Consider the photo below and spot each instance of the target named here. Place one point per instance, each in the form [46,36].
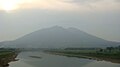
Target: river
[49,60]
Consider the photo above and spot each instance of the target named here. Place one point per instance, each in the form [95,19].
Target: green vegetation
[109,54]
[7,55]
[6,52]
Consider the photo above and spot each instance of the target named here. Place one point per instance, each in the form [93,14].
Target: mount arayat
[58,37]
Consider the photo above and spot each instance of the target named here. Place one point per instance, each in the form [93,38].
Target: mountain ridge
[59,37]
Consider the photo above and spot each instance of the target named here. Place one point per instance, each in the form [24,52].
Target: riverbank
[110,57]
[7,56]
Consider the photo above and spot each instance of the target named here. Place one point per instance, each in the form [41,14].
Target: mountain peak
[57,27]
[58,36]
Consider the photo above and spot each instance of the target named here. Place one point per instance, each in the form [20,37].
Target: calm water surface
[49,60]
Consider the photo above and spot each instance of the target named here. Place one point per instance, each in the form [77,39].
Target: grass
[113,56]
[5,54]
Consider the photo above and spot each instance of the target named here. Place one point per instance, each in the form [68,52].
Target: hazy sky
[97,17]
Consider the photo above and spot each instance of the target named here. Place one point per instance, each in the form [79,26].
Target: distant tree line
[81,48]
[110,49]
[7,49]
[107,49]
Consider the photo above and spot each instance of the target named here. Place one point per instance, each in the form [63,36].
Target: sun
[9,5]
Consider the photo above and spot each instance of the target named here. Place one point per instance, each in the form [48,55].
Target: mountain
[58,37]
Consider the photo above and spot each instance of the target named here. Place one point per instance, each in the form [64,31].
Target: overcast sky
[97,17]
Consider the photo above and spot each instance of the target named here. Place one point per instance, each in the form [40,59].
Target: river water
[49,60]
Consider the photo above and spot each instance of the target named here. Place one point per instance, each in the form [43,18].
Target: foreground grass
[6,56]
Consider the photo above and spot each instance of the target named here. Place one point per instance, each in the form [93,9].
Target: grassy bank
[6,56]
[96,54]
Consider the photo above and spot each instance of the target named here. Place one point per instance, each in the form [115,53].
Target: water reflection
[49,60]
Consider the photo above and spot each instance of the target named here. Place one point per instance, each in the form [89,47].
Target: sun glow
[9,5]
[60,5]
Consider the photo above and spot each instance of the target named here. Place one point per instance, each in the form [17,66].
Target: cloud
[49,5]
[68,5]
[74,5]
[97,5]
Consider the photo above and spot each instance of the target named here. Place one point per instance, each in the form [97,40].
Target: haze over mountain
[57,37]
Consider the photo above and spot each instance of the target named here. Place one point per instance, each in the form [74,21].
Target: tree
[119,48]
[101,50]
[110,48]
